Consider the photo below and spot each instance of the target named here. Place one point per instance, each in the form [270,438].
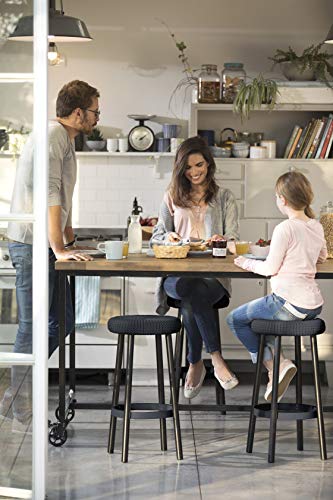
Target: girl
[196,207]
[297,245]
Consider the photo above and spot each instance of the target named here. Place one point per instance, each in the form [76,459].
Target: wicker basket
[170,251]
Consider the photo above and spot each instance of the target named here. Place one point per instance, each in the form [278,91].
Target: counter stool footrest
[287,411]
[144,411]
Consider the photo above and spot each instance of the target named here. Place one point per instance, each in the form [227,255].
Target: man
[77,110]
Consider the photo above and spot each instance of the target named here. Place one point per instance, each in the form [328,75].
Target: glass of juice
[242,247]
[125,249]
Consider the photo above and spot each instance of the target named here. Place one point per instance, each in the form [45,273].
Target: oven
[8,307]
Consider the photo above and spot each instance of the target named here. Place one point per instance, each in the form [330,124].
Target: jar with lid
[326,220]
[209,84]
[219,248]
[232,76]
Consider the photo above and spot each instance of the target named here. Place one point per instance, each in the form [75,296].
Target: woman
[196,207]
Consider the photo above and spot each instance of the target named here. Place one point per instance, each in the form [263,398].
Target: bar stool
[286,411]
[223,302]
[131,326]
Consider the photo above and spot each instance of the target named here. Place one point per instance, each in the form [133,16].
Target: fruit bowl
[259,251]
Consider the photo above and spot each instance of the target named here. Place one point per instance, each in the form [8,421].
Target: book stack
[312,141]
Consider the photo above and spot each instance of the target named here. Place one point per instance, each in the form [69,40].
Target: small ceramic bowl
[96,145]
[240,153]
[258,251]
[220,152]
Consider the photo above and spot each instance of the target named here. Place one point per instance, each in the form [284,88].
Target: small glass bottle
[135,235]
[326,220]
[232,76]
[219,249]
[209,84]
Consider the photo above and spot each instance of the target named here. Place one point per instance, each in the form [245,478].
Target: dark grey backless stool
[223,302]
[131,326]
[286,411]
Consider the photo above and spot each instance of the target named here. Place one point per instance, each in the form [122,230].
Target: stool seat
[144,325]
[298,328]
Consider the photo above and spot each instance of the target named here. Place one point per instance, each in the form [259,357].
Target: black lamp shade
[329,38]
[61,29]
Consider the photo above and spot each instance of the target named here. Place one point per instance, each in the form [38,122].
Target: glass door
[23,351]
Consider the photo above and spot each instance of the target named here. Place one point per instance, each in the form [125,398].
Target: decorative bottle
[135,235]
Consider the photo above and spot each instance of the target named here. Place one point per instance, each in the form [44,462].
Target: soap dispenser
[135,230]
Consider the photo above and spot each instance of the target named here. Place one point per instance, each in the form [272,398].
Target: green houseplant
[95,140]
[312,64]
[254,94]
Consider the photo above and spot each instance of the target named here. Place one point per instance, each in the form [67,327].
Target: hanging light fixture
[329,38]
[62,28]
[54,57]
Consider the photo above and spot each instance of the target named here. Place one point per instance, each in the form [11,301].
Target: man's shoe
[189,391]
[287,372]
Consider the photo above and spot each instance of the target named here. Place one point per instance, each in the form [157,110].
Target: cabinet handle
[260,283]
[223,172]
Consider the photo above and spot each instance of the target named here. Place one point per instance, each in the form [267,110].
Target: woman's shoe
[227,384]
[287,372]
[191,392]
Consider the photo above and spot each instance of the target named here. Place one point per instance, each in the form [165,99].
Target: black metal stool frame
[144,410]
[300,413]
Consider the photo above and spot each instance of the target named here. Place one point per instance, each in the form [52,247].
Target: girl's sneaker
[287,372]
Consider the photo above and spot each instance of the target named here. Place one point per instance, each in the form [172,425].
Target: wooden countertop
[143,265]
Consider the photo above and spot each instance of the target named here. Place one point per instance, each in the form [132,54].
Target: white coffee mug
[258,152]
[123,144]
[271,148]
[112,145]
[113,249]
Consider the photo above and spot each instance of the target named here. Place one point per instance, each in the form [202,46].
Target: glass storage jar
[209,84]
[232,75]
[326,220]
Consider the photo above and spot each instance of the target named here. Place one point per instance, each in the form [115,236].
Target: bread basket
[171,251]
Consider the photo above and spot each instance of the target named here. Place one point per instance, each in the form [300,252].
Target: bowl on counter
[240,149]
[218,152]
[96,145]
[259,251]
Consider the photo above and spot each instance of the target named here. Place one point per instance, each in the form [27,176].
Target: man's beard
[85,127]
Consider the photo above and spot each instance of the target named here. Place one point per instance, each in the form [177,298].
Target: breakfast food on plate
[198,246]
[263,243]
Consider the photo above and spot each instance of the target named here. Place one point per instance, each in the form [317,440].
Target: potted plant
[312,64]
[254,94]
[95,140]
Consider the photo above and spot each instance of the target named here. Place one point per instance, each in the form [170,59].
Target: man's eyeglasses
[96,112]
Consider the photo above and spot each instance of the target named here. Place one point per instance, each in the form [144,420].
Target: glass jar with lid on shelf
[232,75]
[209,84]
[326,220]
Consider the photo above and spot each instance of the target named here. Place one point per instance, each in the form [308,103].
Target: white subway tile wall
[105,190]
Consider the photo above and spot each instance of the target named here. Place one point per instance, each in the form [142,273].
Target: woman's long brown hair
[180,186]
[297,190]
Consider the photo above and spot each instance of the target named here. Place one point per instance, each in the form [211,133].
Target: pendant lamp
[62,28]
[329,38]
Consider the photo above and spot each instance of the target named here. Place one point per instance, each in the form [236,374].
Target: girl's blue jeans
[269,307]
[198,296]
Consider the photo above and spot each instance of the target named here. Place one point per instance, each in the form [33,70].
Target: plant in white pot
[312,64]
[95,140]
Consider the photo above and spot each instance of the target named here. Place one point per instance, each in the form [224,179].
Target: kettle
[229,142]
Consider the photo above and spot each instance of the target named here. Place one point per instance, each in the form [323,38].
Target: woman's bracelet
[70,244]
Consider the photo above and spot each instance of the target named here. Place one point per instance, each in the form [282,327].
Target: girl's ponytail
[309,212]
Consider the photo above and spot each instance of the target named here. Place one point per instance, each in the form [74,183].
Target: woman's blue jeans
[198,296]
[269,307]
[20,391]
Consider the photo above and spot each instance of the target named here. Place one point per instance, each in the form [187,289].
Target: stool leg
[115,396]
[320,416]
[219,391]
[255,396]
[175,413]
[298,362]
[128,396]
[274,403]
[160,384]
[178,358]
